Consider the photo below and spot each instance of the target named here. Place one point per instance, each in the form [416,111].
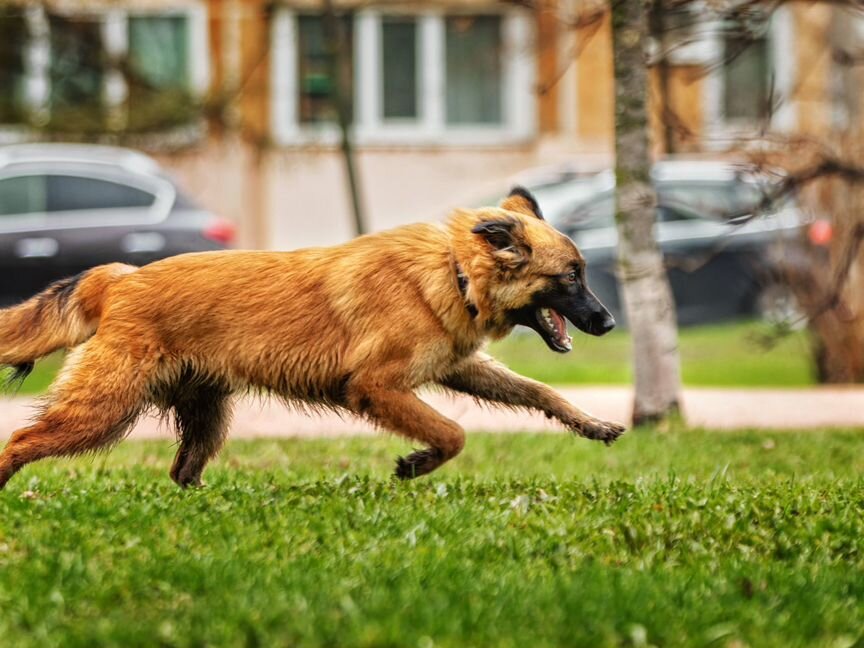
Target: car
[65,208]
[722,262]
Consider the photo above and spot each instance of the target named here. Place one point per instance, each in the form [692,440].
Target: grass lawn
[681,539]
[716,355]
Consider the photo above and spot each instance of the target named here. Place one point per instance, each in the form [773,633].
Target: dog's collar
[462,282]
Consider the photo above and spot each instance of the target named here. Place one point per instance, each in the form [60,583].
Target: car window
[711,199]
[594,214]
[58,193]
[667,214]
[71,193]
[22,195]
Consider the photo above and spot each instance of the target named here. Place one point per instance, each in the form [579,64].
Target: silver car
[67,207]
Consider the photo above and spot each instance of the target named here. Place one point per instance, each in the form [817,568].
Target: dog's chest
[438,361]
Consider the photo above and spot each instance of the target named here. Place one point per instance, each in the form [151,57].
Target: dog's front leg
[483,377]
[402,412]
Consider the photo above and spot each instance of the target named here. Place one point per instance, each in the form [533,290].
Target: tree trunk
[340,73]
[644,285]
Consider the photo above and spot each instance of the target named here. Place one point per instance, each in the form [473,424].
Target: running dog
[357,327]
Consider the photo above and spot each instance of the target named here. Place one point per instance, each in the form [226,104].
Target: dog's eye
[573,277]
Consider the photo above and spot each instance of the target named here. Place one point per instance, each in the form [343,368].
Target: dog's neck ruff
[462,281]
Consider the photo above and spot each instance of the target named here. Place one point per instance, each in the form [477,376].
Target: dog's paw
[598,430]
[418,463]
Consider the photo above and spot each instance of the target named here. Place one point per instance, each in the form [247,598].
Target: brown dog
[355,327]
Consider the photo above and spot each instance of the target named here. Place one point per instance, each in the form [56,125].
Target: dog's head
[523,271]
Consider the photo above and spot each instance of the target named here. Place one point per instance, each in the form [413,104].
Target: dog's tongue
[560,324]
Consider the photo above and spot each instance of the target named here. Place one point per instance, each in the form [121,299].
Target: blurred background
[136,130]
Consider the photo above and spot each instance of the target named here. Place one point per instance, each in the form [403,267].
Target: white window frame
[114,29]
[719,129]
[519,101]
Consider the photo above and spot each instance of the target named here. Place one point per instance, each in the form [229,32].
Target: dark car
[68,207]
[718,268]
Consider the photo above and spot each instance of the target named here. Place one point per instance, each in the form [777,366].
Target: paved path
[725,409]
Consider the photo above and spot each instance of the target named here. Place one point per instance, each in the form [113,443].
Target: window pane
[71,193]
[22,195]
[158,51]
[316,82]
[157,74]
[76,73]
[474,70]
[717,199]
[399,65]
[13,35]
[746,79]
[595,214]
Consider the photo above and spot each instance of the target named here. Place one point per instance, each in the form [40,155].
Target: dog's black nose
[605,324]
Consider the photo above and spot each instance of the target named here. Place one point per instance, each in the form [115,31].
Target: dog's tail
[64,315]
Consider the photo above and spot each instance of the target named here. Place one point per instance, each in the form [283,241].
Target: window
[158,51]
[474,70]
[315,69]
[399,67]
[157,74]
[13,31]
[22,195]
[713,199]
[746,73]
[598,213]
[76,72]
[73,193]
[419,78]
[85,71]
[34,194]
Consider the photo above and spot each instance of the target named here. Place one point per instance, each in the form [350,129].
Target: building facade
[449,100]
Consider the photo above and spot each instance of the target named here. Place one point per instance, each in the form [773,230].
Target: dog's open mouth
[553,328]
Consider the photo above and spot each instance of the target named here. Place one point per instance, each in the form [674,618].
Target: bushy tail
[62,316]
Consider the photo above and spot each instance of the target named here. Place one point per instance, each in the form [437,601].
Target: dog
[356,327]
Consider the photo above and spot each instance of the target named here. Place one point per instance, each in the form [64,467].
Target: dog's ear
[507,240]
[523,201]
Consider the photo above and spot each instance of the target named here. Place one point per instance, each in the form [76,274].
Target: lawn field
[679,539]
[723,355]
[718,355]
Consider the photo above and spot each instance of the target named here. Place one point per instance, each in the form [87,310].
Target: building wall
[285,196]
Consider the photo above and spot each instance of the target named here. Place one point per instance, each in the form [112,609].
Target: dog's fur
[356,327]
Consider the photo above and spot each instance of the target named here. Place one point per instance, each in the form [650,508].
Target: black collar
[462,281]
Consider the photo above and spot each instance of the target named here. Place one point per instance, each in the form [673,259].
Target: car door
[711,270]
[28,256]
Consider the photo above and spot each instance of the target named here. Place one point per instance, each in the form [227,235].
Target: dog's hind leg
[202,414]
[97,398]
[404,413]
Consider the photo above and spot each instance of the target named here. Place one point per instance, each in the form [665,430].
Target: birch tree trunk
[644,285]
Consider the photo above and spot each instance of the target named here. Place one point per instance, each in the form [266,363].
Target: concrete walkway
[722,409]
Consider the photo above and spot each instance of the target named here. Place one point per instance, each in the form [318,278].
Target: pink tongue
[560,324]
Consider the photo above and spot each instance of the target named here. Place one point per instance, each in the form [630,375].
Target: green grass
[679,539]
[716,355]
